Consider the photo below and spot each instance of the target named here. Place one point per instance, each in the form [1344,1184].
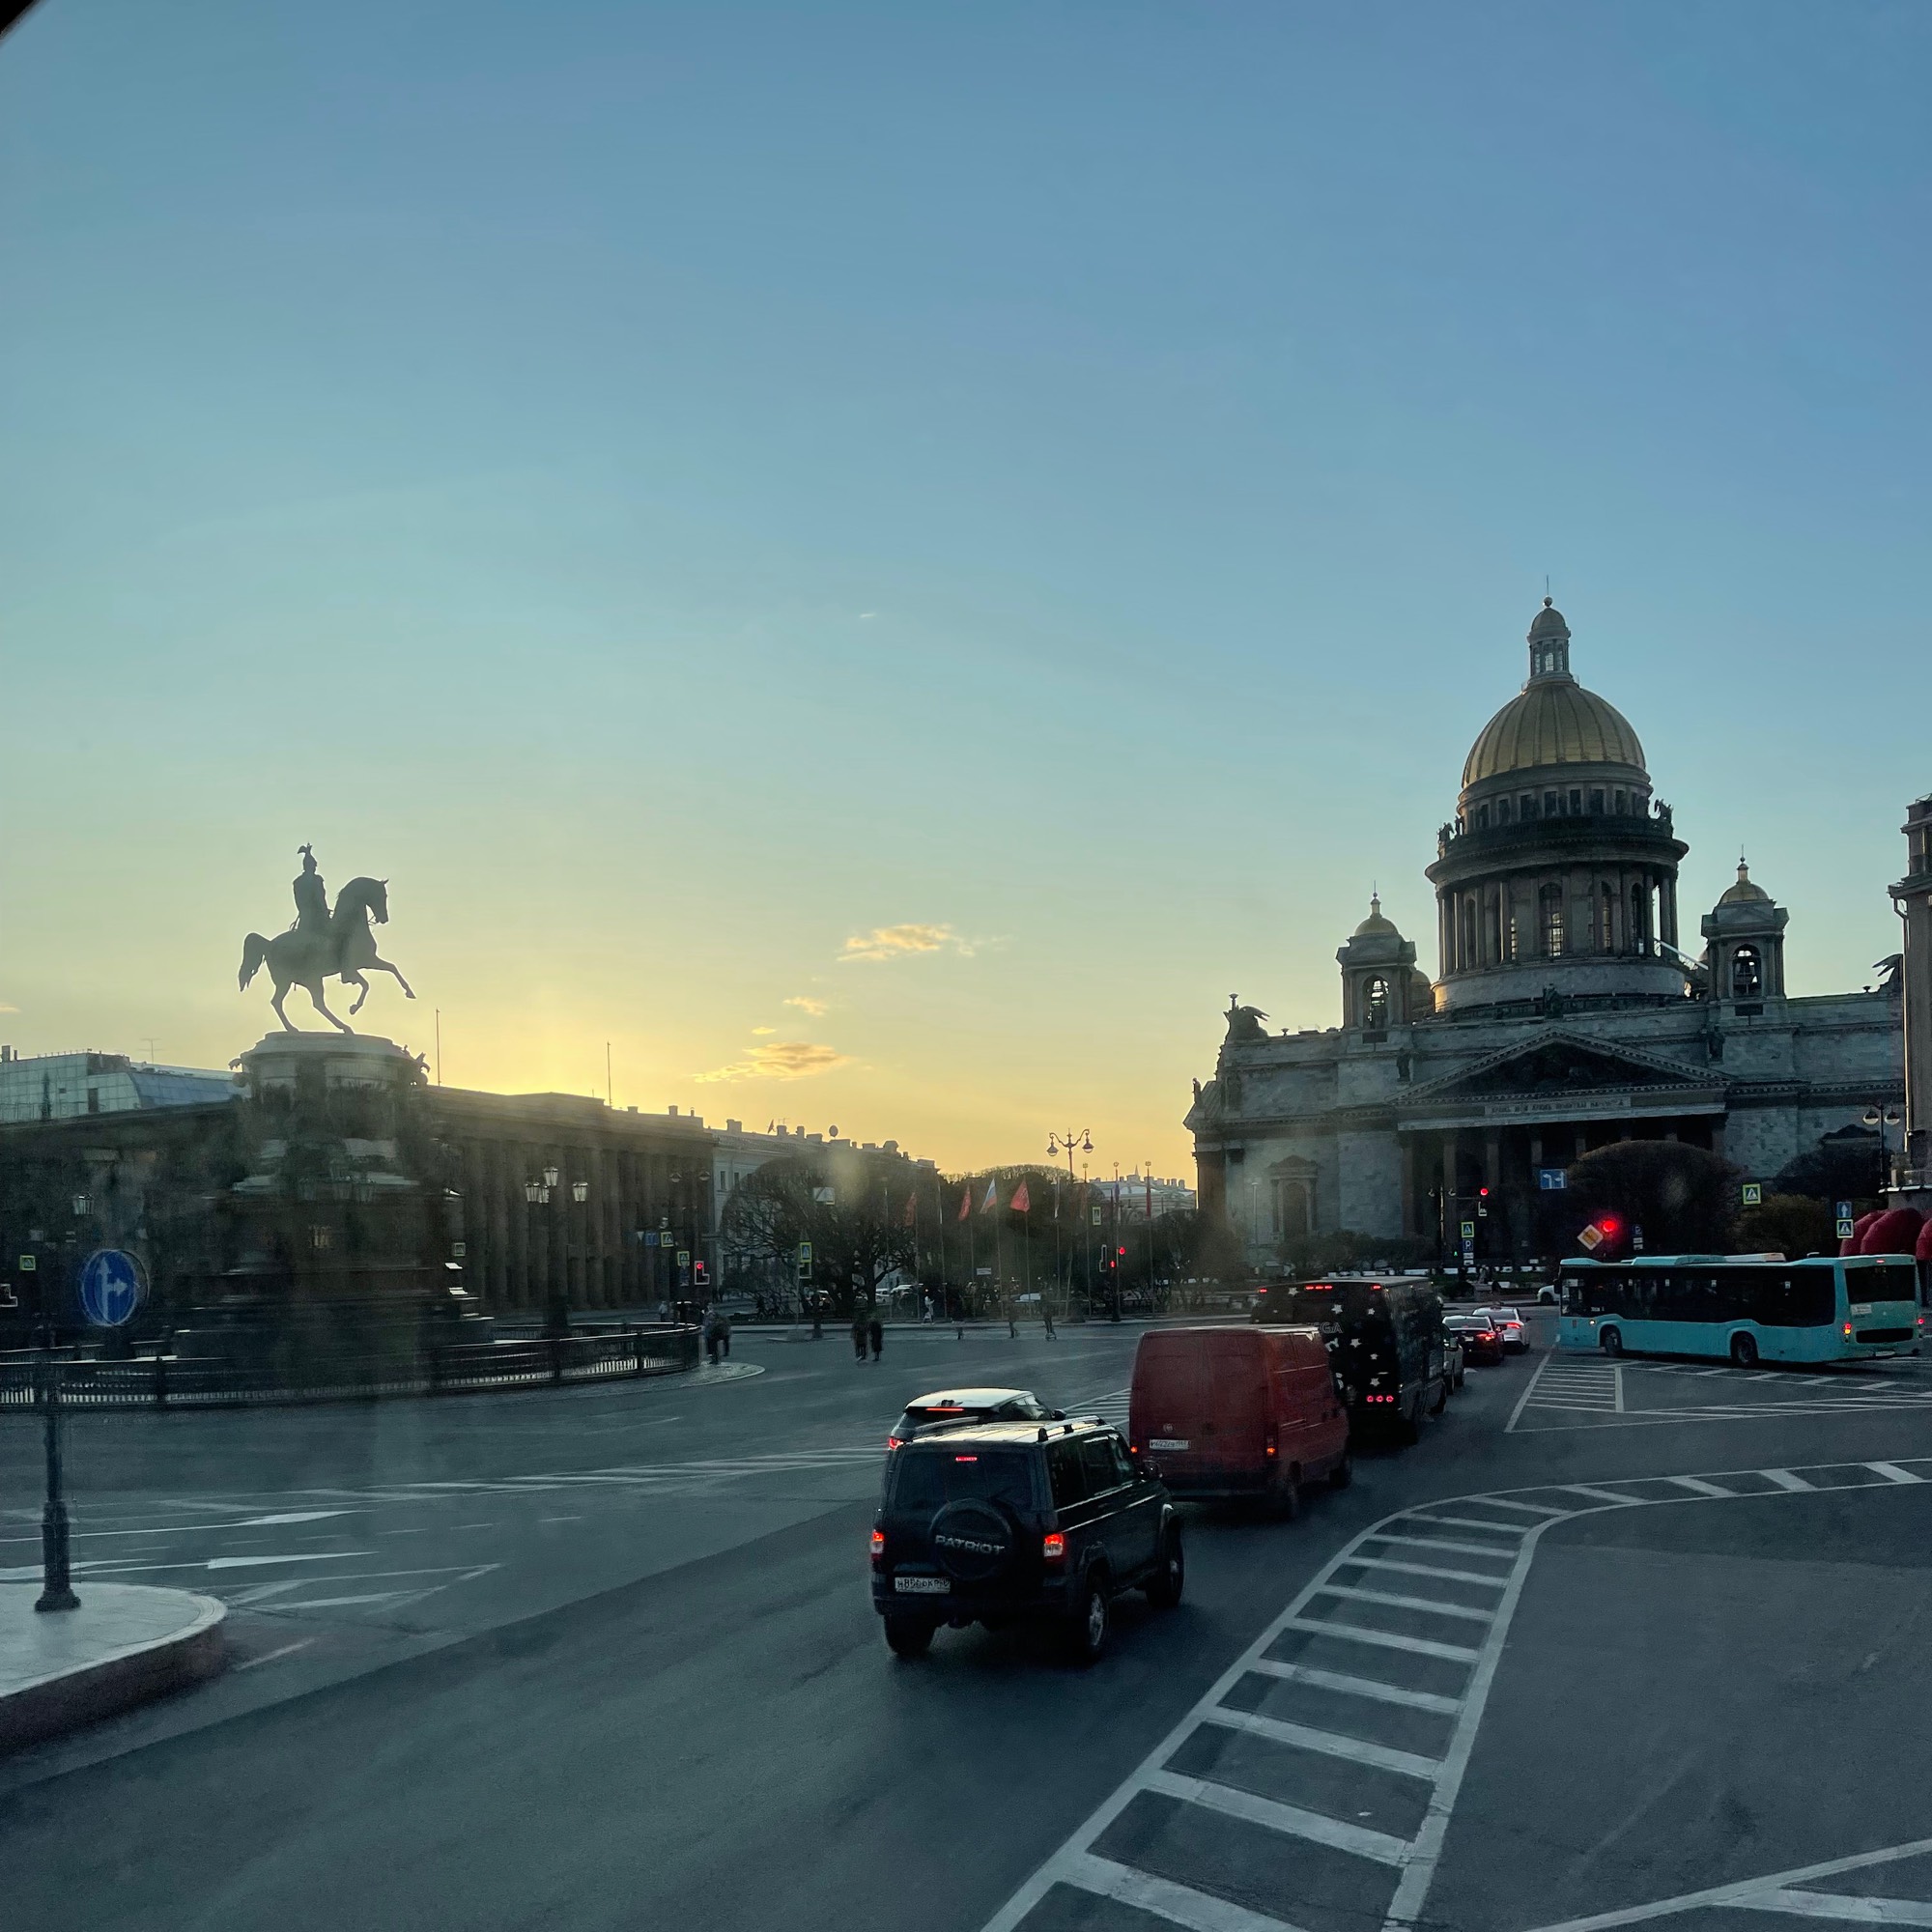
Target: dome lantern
[1548,643]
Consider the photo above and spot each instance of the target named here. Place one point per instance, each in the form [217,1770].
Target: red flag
[966,1204]
[1022,1201]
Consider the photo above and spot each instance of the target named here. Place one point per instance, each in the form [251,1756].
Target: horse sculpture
[339,948]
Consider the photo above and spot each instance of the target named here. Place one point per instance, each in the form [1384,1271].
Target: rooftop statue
[322,944]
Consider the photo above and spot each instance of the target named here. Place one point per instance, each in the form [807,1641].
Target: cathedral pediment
[1559,1065]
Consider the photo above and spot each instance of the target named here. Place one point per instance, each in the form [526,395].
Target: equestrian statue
[322,944]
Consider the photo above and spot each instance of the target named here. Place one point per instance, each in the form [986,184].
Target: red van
[1239,1412]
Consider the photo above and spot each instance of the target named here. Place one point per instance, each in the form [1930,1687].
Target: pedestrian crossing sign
[1844,1227]
[1753,1194]
[1469,1231]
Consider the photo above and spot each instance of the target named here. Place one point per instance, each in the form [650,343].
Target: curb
[50,1685]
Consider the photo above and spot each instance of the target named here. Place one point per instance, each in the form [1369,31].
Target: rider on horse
[311,898]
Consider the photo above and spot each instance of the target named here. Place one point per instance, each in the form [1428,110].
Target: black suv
[999,1520]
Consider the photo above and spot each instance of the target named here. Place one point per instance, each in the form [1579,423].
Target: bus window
[1883,1281]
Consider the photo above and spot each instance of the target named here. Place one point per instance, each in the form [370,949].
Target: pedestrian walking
[710,1333]
[724,1334]
[859,1336]
[875,1333]
[1012,1321]
[1047,1316]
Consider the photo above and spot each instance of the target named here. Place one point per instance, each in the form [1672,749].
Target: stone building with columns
[1566,1012]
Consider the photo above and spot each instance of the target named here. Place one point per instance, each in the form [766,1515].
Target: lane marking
[1845,1907]
[1617,1381]
[1529,1389]
[1697,1485]
[1601,1496]
[1474,1523]
[1329,1743]
[287,1649]
[1785,1480]
[1289,1819]
[1534,1509]
[1371,1687]
[1743,1892]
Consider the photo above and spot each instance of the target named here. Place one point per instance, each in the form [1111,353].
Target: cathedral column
[1406,1144]
[1669,898]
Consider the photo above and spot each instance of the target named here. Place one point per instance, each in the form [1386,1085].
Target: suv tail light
[1269,1442]
[1053,1546]
[893,1441]
[878,1546]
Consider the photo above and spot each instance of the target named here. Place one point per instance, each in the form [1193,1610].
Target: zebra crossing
[1573,1390]
[1321,1769]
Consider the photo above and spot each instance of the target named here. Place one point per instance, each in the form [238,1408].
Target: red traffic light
[1482,1192]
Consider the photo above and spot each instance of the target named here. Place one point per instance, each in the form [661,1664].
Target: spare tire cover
[971,1541]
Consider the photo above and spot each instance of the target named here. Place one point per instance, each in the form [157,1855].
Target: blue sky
[680,488]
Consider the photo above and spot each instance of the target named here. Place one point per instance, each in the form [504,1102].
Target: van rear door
[1200,1407]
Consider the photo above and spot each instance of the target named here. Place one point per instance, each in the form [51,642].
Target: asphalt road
[604,1657]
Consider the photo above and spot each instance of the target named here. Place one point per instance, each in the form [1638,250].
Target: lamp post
[1889,1117]
[557,1294]
[56,1586]
[1070,1144]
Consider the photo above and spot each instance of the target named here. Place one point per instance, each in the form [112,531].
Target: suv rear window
[926,1479]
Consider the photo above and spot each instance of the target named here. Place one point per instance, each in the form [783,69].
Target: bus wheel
[1744,1351]
[1611,1342]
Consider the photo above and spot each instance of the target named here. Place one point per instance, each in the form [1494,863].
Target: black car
[948,1409]
[999,1522]
[1481,1339]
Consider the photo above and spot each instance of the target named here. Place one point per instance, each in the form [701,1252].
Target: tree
[850,1206]
[1793,1224]
[1844,1166]
[1684,1198]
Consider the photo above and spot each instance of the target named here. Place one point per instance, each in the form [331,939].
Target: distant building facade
[1565,1014]
[68,1085]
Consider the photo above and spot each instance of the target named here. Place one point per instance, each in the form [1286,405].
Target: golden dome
[1552,720]
[1747,891]
[1376,926]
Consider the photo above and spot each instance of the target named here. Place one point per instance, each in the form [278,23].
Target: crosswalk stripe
[1599,1495]
[1177,1904]
[1451,1653]
[1470,1523]
[1330,1743]
[1892,1473]
[1394,1601]
[1371,1687]
[1847,1908]
[1534,1509]
[1444,1543]
[1697,1485]
[1289,1819]
[1430,1569]
[1785,1480]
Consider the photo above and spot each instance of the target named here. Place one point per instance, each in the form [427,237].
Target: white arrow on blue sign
[113,1285]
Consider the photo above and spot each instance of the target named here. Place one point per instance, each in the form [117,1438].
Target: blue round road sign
[112,1287]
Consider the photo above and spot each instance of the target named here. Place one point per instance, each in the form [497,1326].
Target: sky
[881,560]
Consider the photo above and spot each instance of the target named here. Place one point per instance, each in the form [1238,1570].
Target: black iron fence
[169,1382]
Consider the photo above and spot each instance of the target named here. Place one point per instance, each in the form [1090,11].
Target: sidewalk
[126,1644]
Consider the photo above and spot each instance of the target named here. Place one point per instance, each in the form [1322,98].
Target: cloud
[780,1060]
[899,942]
[756,1030]
[806,1003]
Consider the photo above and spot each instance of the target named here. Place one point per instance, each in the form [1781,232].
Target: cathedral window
[1597,800]
[1622,801]
[1746,975]
[1549,805]
[1502,812]
[1482,818]
[1376,1004]
[1552,922]
[1577,802]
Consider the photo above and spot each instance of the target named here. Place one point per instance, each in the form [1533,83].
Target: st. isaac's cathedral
[1568,1012]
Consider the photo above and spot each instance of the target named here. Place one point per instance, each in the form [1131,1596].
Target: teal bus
[1828,1308]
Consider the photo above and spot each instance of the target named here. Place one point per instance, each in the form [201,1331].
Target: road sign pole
[56,1586]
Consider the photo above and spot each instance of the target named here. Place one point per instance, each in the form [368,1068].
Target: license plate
[1860,1308]
[1168,1442]
[922,1586]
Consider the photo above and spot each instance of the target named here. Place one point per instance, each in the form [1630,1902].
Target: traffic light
[701,1273]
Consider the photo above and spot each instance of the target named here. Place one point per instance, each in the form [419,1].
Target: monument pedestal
[339,1234]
